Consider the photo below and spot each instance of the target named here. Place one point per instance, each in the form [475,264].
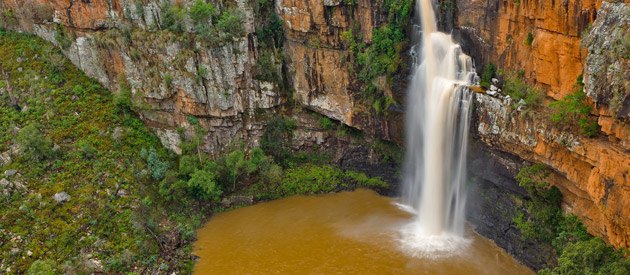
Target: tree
[157,166]
[202,12]
[277,138]
[238,166]
[230,23]
[204,186]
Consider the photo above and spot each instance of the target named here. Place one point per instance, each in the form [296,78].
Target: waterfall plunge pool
[355,232]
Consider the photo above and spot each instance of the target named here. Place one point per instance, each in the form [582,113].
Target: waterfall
[437,131]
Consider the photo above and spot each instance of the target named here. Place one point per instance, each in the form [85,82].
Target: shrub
[42,267]
[157,166]
[312,179]
[202,12]
[489,72]
[271,35]
[203,186]
[543,207]
[62,37]
[326,123]
[574,108]
[276,139]
[188,164]
[266,68]
[383,104]
[172,17]
[518,90]
[591,256]
[122,99]
[231,24]
[34,145]
[579,252]
[86,150]
[237,166]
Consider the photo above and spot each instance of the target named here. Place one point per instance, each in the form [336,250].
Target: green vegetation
[62,37]
[210,24]
[579,252]
[270,37]
[529,40]
[311,179]
[276,140]
[575,109]
[521,93]
[202,12]
[326,123]
[73,138]
[267,67]
[489,71]
[382,56]
[40,267]
[173,17]
[132,205]
[33,144]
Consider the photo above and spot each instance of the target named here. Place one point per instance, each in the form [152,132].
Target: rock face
[320,65]
[607,70]
[592,173]
[171,77]
[495,198]
[540,37]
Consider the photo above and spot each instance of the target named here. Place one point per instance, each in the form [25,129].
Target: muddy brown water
[345,233]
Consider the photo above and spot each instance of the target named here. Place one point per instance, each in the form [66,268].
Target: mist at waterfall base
[437,125]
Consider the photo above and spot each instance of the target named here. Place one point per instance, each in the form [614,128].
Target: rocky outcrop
[171,76]
[593,174]
[320,65]
[540,37]
[495,198]
[607,68]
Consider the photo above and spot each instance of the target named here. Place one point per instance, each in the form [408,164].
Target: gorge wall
[592,173]
[173,76]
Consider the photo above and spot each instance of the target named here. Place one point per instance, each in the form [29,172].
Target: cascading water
[437,134]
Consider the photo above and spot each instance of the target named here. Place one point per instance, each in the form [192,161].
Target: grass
[133,206]
[68,145]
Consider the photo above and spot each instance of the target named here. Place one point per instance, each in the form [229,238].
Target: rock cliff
[592,173]
[175,75]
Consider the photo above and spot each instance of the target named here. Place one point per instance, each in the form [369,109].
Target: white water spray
[437,133]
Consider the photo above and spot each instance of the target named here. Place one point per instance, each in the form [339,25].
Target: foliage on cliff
[72,139]
[101,194]
[574,109]
[544,221]
[382,57]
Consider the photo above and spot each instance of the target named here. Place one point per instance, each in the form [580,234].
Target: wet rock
[61,197]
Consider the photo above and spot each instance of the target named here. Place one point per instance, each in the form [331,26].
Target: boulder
[61,197]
